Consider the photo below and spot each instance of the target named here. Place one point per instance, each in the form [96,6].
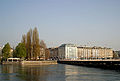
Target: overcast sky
[81,22]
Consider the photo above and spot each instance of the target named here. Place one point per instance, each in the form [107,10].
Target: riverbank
[37,62]
[5,62]
[31,62]
[105,64]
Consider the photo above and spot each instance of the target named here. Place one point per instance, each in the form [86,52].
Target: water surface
[58,72]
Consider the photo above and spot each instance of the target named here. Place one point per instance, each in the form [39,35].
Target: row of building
[73,52]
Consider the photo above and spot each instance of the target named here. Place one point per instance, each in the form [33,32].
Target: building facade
[67,51]
[94,53]
[116,54]
[53,53]
[72,52]
[41,56]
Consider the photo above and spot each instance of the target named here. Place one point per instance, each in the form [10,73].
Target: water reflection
[7,69]
[7,72]
[59,72]
[78,73]
[42,73]
[71,73]
[33,73]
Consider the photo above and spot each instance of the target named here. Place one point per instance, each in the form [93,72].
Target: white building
[95,53]
[67,51]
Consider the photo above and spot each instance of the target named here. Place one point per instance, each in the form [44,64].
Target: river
[58,72]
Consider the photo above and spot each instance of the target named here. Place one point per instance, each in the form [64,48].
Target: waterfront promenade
[30,62]
[93,60]
[98,63]
[38,62]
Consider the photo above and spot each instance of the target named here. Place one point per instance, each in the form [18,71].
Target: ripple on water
[58,72]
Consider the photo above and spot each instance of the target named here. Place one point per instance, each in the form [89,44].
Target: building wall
[42,54]
[53,53]
[116,54]
[61,52]
[67,51]
[94,53]
[70,51]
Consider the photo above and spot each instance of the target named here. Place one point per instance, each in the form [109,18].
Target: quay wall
[97,64]
[38,62]
[5,62]
[31,62]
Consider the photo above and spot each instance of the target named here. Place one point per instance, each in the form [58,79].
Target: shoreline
[31,62]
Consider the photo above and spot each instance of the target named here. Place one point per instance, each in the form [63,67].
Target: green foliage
[20,51]
[34,47]
[14,53]
[6,51]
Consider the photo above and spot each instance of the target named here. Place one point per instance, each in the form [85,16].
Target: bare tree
[42,49]
[23,39]
[29,45]
[42,44]
[47,54]
[34,47]
[35,43]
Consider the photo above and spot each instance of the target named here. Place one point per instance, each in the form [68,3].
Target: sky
[81,22]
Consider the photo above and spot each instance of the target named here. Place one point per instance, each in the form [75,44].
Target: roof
[63,45]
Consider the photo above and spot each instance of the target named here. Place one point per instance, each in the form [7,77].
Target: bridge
[98,63]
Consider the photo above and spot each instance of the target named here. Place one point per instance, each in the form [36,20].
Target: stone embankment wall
[5,62]
[38,62]
[105,64]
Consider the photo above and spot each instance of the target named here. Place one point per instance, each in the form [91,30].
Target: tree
[42,49]
[29,45]
[42,44]
[6,51]
[35,43]
[14,53]
[115,54]
[20,51]
[47,54]
[34,47]
[23,40]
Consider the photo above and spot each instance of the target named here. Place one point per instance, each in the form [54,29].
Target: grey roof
[63,45]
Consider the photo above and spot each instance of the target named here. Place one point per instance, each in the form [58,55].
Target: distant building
[116,54]
[53,53]
[71,51]
[42,54]
[67,51]
[47,54]
[94,53]
[119,53]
